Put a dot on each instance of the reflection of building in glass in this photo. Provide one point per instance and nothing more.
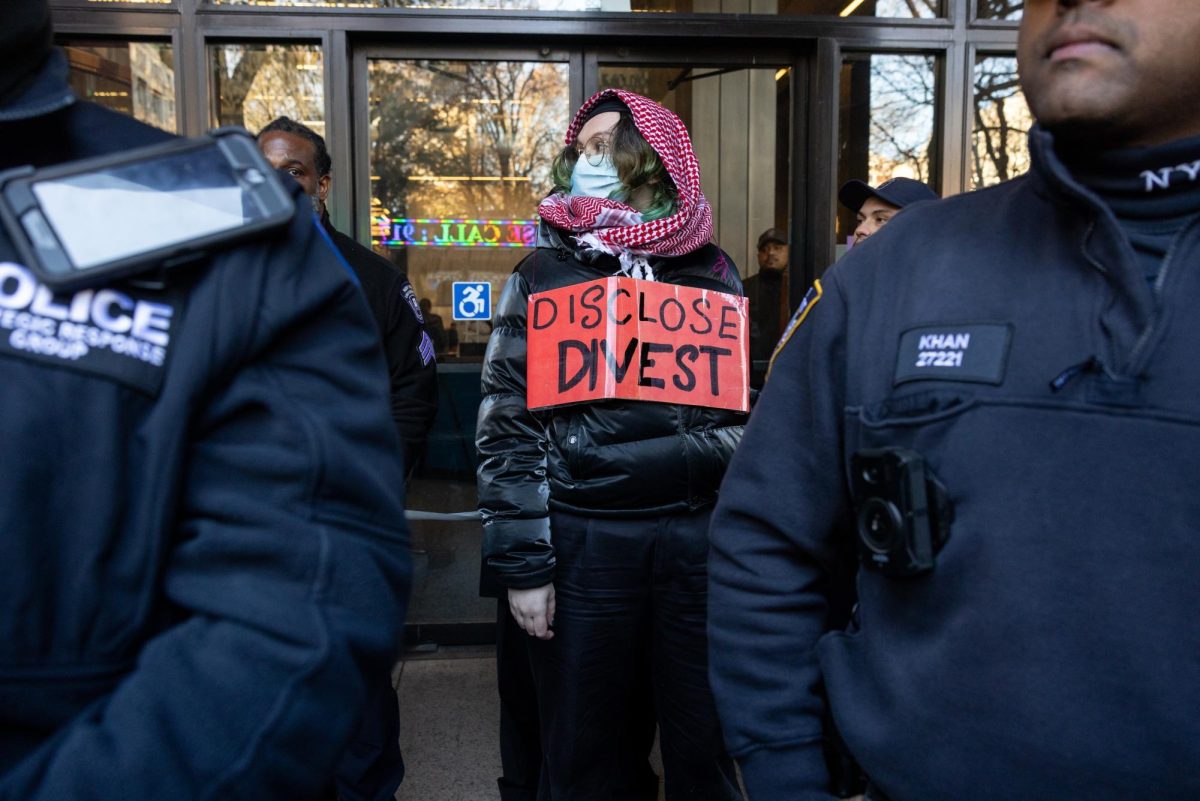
(136, 79)
(153, 85)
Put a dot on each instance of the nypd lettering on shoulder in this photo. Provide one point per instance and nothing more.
(975, 352)
(120, 334)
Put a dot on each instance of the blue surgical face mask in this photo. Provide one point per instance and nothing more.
(594, 180)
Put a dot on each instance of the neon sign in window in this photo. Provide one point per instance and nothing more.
(454, 233)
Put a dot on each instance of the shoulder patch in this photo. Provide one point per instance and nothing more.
(974, 352)
(810, 299)
(410, 295)
(123, 334)
(426, 349)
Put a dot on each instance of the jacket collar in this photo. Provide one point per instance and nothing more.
(48, 92)
(1052, 174)
(1103, 242)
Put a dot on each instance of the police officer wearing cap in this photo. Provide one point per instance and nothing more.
(205, 550)
(874, 206)
(984, 419)
(767, 290)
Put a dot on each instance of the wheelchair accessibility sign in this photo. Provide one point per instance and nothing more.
(472, 300)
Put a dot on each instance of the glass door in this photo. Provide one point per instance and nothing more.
(453, 156)
(740, 115)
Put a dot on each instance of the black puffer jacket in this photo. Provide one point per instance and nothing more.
(606, 459)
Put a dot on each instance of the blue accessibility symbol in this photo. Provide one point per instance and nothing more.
(472, 300)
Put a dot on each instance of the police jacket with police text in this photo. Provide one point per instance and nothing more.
(1009, 337)
(202, 509)
(610, 458)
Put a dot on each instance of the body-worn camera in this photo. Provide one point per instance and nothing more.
(903, 513)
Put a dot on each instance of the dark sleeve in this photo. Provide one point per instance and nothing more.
(412, 370)
(773, 553)
(287, 573)
(513, 491)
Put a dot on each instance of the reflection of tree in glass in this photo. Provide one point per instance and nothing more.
(999, 148)
(464, 139)
(453, 139)
(1000, 9)
(902, 106)
(257, 83)
(907, 8)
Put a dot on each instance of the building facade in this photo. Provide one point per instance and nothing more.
(442, 117)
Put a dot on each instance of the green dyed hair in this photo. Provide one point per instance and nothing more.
(637, 166)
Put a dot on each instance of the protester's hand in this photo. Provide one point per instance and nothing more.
(533, 610)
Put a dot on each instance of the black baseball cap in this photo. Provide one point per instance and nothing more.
(898, 192)
(772, 235)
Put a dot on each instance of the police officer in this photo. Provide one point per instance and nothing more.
(206, 557)
(300, 151)
(767, 290)
(874, 206)
(994, 401)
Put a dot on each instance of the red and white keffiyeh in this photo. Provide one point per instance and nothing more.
(616, 228)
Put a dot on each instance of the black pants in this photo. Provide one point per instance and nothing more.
(372, 767)
(629, 594)
(520, 729)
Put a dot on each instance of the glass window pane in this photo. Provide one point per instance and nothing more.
(137, 78)
(833, 8)
(1001, 122)
(886, 123)
(459, 156)
(1000, 9)
(253, 84)
(740, 123)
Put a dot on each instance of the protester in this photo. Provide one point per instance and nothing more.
(994, 401)
(301, 152)
(767, 291)
(596, 515)
(206, 554)
(875, 206)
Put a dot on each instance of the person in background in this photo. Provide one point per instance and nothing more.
(874, 206)
(768, 293)
(985, 418)
(436, 326)
(205, 545)
(603, 557)
(372, 767)
(412, 368)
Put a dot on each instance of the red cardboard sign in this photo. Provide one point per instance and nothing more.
(639, 340)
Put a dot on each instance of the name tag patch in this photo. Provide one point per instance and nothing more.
(974, 352)
(121, 334)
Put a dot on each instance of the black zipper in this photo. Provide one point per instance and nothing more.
(1159, 282)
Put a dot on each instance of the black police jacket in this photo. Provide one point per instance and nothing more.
(412, 368)
(202, 510)
(1010, 337)
(611, 458)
